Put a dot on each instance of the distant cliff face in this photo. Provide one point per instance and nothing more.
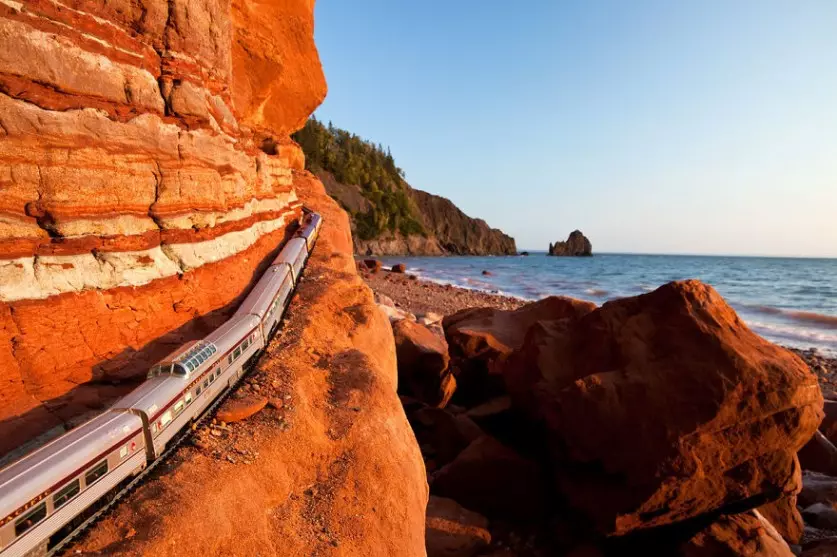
(576, 245)
(458, 233)
(448, 231)
(388, 216)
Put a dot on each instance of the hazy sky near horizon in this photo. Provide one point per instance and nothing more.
(692, 126)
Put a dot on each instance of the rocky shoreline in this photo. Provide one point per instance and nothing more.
(419, 296)
(692, 445)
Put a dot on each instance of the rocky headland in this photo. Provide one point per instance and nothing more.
(576, 245)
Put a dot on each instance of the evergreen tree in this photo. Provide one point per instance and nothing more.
(353, 160)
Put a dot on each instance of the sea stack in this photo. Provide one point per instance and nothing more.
(576, 245)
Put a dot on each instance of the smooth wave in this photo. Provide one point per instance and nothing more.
(829, 321)
(765, 309)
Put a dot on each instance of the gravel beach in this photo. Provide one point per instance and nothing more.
(420, 296)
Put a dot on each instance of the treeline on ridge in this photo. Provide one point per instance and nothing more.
(353, 160)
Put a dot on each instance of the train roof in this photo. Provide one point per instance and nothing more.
(63, 458)
(290, 252)
(261, 297)
(232, 332)
(153, 395)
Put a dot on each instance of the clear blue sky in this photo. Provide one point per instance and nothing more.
(686, 126)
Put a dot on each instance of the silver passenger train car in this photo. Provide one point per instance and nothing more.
(50, 487)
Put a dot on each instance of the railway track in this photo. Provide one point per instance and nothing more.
(112, 500)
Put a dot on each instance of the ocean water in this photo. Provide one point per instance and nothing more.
(786, 300)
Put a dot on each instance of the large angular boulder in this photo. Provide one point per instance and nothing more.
(785, 517)
(453, 530)
(663, 407)
(479, 338)
(747, 534)
(422, 363)
(494, 480)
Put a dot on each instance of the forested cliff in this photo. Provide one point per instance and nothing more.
(389, 217)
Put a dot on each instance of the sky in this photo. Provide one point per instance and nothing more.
(693, 126)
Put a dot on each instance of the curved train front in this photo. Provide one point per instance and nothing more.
(47, 489)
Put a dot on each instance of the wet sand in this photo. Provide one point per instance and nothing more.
(420, 296)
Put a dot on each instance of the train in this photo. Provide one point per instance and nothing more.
(48, 489)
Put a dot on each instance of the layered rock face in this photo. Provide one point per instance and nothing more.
(576, 245)
(145, 174)
(334, 470)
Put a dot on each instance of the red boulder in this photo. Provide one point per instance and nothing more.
(746, 534)
(237, 409)
(454, 531)
(785, 517)
(422, 363)
(479, 338)
(664, 407)
(372, 265)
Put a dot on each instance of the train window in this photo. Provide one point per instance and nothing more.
(66, 493)
(205, 383)
(237, 353)
(178, 407)
(35, 516)
(166, 418)
(200, 358)
(96, 472)
(229, 360)
(212, 349)
(188, 398)
(198, 391)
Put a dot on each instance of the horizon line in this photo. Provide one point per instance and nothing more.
(673, 254)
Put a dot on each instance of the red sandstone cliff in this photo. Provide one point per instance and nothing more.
(145, 173)
(146, 178)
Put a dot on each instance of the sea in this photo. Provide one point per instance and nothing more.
(790, 301)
